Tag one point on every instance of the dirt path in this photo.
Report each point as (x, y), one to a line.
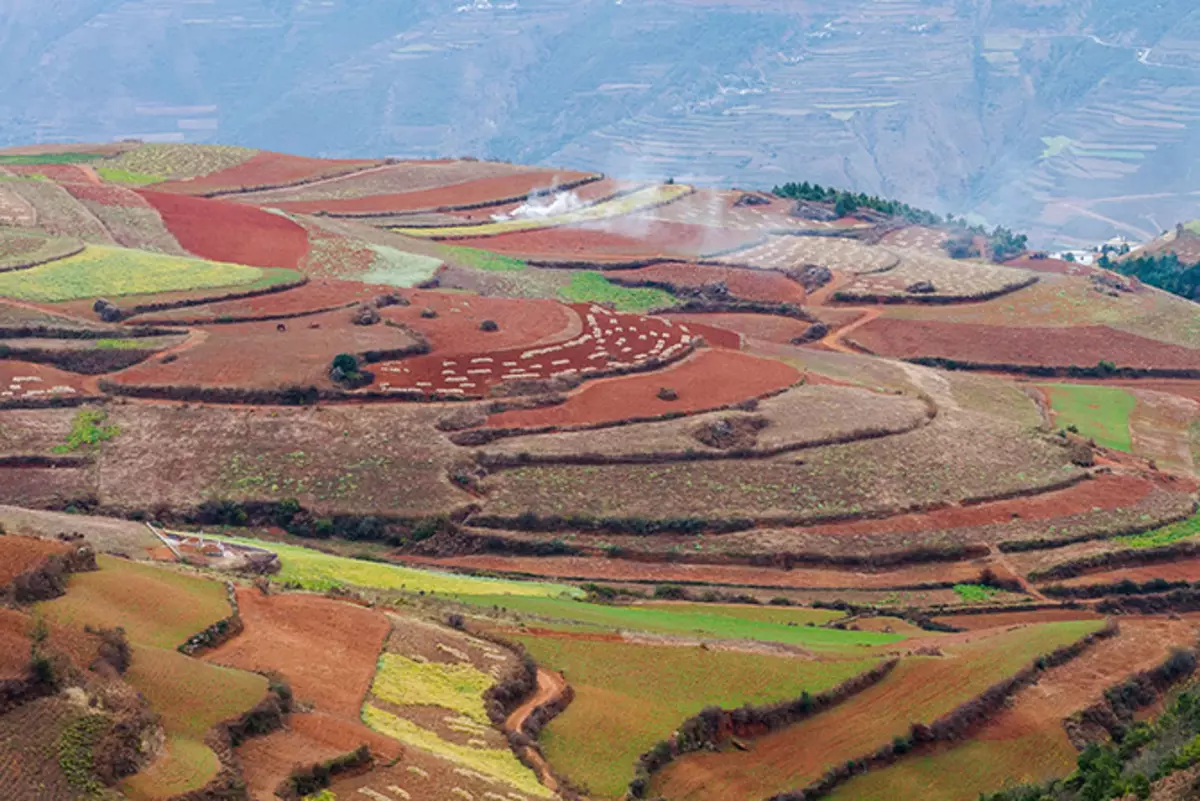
(833, 340)
(550, 685)
(1002, 559)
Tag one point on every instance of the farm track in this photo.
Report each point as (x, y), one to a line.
(550, 686)
(833, 340)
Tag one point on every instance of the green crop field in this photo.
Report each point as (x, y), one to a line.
(975, 593)
(1166, 535)
(592, 287)
(395, 267)
(192, 697)
(718, 622)
(156, 606)
(1101, 413)
(50, 158)
(115, 272)
(457, 687)
(128, 177)
(628, 697)
(483, 260)
(920, 689)
(319, 572)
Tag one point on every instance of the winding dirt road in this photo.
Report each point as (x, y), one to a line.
(550, 685)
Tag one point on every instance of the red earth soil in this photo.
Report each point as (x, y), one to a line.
(1006, 619)
(107, 195)
(495, 189)
(326, 649)
(780, 330)
(19, 554)
(1057, 266)
(762, 285)
(16, 641)
(315, 296)
(605, 569)
(589, 193)
(224, 231)
(266, 169)
(1103, 492)
(258, 355)
(29, 381)
(1080, 345)
(1182, 570)
(608, 340)
(622, 239)
(709, 379)
(455, 331)
(59, 173)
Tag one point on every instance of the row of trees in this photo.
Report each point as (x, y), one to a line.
(1165, 271)
(849, 202)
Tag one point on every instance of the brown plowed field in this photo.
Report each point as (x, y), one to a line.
(707, 380)
(15, 642)
(314, 296)
(762, 285)
(1080, 345)
(19, 554)
(917, 237)
(622, 239)
(609, 340)
(780, 330)
(1182, 570)
(325, 648)
(224, 231)
(107, 195)
(265, 169)
(1055, 266)
(1003, 620)
(455, 330)
(29, 381)
(600, 568)
(258, 355)
(495, 189)
(44, 487)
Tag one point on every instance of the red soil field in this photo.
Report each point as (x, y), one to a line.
(1003, 620)
(1103, 492)
(107, 195)
(1057, 266)
(1182, 570)
(59, 173)
(258, 355)
(455, 330)
(325, 648)
(589, 193)
(267, 169)
(709, 379)
(19, 554)
(29, 381)
(1080, 345)
(605, 569)
(315, 296)
(495, 189)
(224, 231)
(608, 340)
(15, 644)
(780, 330)
(762, 285)
(622, 239)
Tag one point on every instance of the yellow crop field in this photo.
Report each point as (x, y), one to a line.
(457, 687)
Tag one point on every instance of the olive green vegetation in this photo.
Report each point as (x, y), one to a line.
(482, 259)
(1101, 413)
(734, 622)
(394, 267)
(50, 158)
(1166, 535)
(592, 287)
(320, 572)
(128, 177)
(975, 593)
(88, 430)
(75, 756)
(458, 687)
(628, 697)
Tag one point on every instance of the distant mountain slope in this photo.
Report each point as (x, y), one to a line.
(1075, 120)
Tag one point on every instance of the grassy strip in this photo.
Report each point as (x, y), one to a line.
(592, 287)
(127, 177)
(975, 593)
(478, 259)
(1166, 535)
(1101, 413)
(457, 687)
(50, 158)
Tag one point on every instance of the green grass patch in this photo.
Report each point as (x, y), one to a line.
(156, 606)
(130, 343)
(592, 287)
(1101, 413)
(127, 177)
(395, 267)
(319, 572)
(483, 259)
(458, 687)
(731, 622)
(976, 593)
(1166, 535)
(628, 697)
(88, 430)
(50, 158)
(75, 756)
(499, 763)
(115, 272)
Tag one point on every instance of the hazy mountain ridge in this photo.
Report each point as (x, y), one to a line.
(1058, 118)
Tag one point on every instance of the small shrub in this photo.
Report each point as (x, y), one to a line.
(667, 394)
(489, 326)
(428, 313)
